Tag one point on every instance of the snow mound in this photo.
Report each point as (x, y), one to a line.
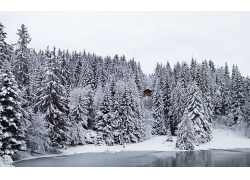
(6, 161)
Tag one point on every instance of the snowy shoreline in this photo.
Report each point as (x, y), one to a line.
(222, 139)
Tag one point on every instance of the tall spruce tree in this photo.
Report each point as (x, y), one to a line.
(22, 58)
(195, 107)
(237, 95)
(128, 117)
(53, 102)
(167, 95)
(159, 125)
(79, 120)
(178, 98)
(22, 63)
(5, 49)
(185, 135)
(104, 118)
(11, 133)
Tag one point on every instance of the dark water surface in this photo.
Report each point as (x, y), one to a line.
(204, 158)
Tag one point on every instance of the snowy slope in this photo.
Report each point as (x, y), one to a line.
(222, 139)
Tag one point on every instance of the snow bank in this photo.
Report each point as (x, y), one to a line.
(222, 139)
(6, 161)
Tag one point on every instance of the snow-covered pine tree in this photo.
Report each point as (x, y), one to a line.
(206, 94)
(138, 78)
(237, 95)
(103, 119)
(178, 99)
(198, 77)
(78, 113)
(211, 66)
(159, 125)
(115, 108)
(5, 49)
(245, 122)
(22, 64)
(177, 72)
(184, 74)
(65, 74)
(128, 117)
(78, 69)
(11, 133)
(37, 134)
(98, 96)
(79, 119)
(193, 69)
(226, 99)
(138, 110)
(102, 77)
(22, 58)
(51, 100)
(186, 139)
(167, 95)
(217, 94)
(195, 108)
(88, 103)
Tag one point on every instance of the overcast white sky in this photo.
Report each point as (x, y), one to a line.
(149, 37)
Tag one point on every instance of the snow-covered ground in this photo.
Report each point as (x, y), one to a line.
(222, 139)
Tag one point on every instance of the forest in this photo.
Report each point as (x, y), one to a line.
(54, 98)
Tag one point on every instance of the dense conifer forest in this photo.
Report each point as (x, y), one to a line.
(54, 98)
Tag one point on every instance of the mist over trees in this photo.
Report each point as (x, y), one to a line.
(54, 98)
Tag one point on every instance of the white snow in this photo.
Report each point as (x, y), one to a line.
(9, 107)
(6, 161)
(6, 134)
(222, 139)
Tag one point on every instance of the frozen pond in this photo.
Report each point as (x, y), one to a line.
(203, 158)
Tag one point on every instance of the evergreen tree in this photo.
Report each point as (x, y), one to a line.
(22, 64)
(22, 58)
(78, 113)
(225, 91)
(195, 108)
(138, 110)
(115, 108)
(53, 102)
(211, 66)
(88, 96)
(167, 95)
(65, 74)
(206, 94)
(158, 126)
(245, 122)
(178, 98)
(5, 49)
(128, 117)
(193, 69)
(185, 134)
(11, 133)
(79, 120)
(237, 95)
(104, 117)
(37, 135)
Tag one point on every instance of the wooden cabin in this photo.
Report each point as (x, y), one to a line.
(147, 93)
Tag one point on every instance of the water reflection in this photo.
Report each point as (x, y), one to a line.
(211, 158)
